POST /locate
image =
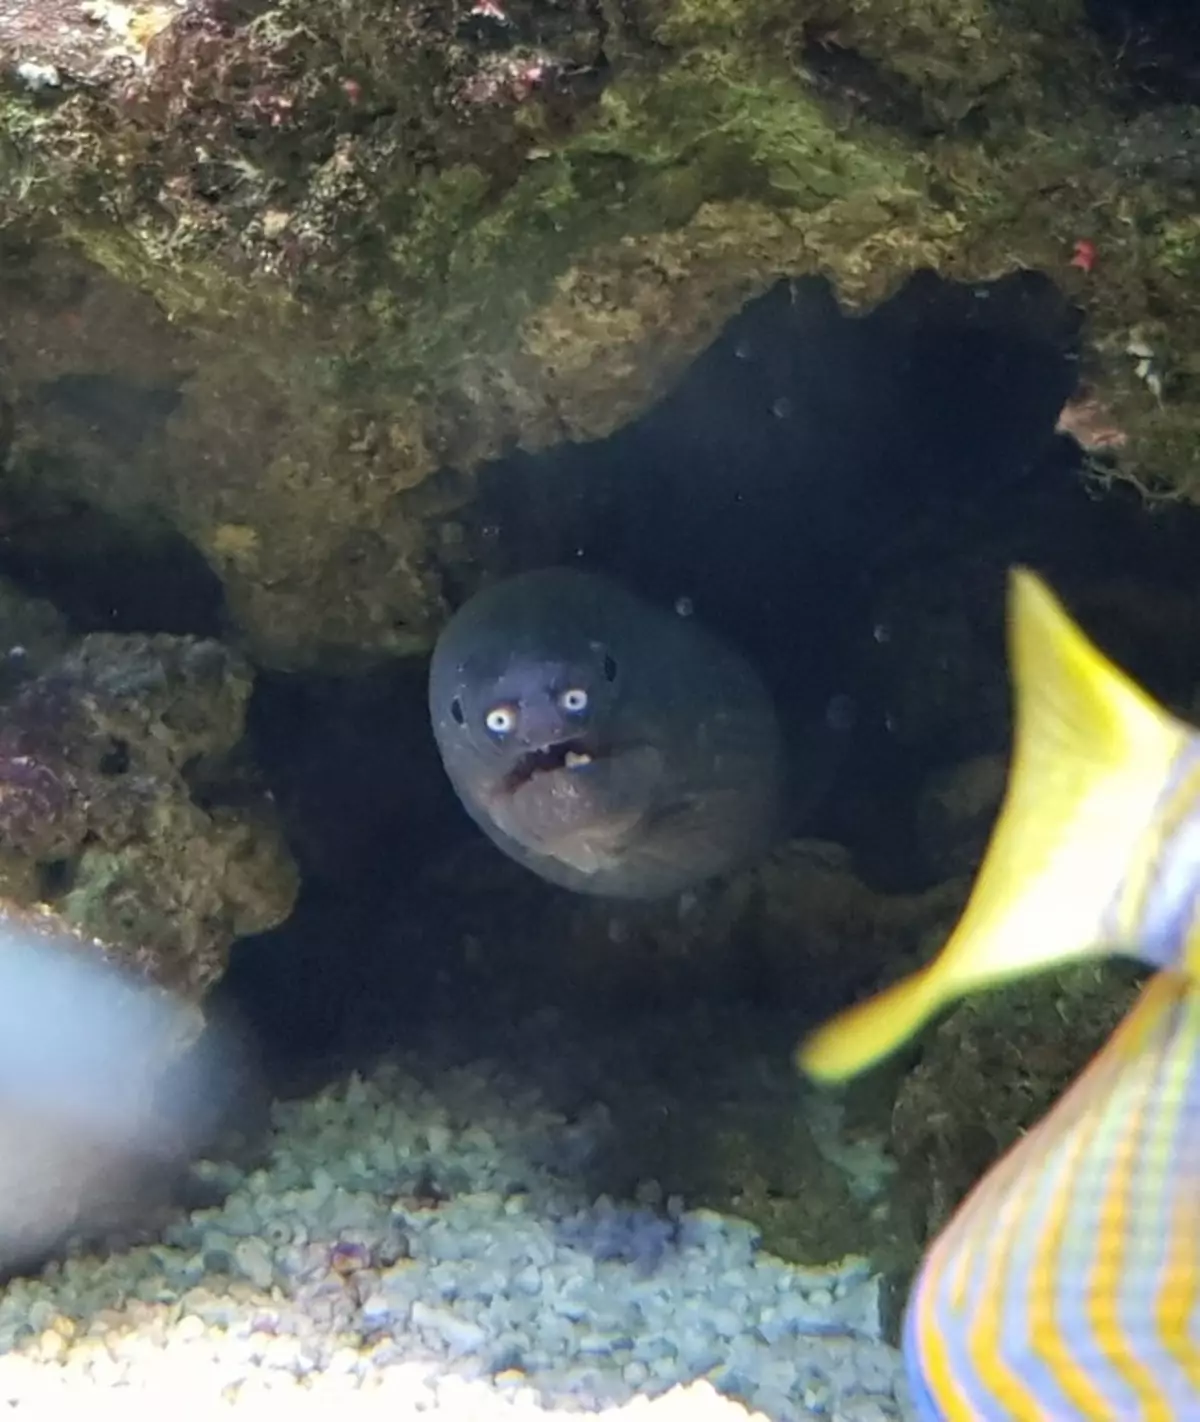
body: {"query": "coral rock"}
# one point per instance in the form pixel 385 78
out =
pixel 126 802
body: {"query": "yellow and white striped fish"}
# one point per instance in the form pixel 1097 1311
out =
pixel 1067 1286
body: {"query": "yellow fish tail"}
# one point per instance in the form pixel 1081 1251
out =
pixel 868 1031
pixel 1091 756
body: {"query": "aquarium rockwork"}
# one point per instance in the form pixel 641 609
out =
pixel 598 661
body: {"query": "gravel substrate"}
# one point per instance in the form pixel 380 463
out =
pixel 417 1243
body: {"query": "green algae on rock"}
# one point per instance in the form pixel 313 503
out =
pixel 400 240
pixel 127 806
pixel 991 1069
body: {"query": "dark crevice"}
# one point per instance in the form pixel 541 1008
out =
pixel 106 575
pixel 858 88
pixel 1154 45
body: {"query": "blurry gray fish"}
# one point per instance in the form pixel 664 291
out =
pixel 609 745
pixel 98 1105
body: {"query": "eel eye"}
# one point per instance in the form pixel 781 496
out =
pixel 501 720
pixel 574 700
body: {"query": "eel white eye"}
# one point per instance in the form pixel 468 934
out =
pixel 574 699
pixel 501 720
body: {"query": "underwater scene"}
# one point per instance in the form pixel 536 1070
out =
pixel 600 709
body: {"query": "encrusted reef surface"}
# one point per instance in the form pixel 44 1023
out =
pixel 991 1070
pixel 379 244
pixel 126 801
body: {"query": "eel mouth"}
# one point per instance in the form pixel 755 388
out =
pixel 562 755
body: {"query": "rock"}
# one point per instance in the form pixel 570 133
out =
pixel 802 932
pixel 127 804
pixel 993 1067
pixel 331 259
pixel 955 813
pixel 825 934
pixel 803 929
pixel 34 633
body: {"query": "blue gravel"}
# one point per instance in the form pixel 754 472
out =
pixel 410 1222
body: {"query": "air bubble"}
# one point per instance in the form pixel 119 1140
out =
pixel 841 713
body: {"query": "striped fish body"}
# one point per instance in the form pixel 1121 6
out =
pixel 1067 1286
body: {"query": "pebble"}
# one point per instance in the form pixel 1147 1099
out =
pixel 408 1243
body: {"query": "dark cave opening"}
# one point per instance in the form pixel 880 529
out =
pixel 1155 47
pixel 105 576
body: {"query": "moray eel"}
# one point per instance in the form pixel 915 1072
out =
pixel 611 746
